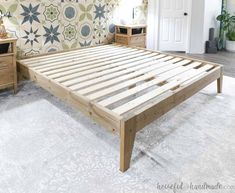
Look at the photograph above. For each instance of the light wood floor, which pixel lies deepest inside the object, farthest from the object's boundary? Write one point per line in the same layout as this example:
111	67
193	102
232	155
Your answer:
225	58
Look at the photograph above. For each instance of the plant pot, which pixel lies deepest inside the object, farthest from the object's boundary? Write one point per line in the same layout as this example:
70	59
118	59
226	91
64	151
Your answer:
4	48
230	46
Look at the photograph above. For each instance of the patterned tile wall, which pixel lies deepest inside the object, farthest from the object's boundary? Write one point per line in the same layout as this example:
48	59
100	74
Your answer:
53	25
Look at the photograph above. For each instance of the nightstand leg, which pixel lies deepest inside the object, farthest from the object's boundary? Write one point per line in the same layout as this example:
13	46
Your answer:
15	88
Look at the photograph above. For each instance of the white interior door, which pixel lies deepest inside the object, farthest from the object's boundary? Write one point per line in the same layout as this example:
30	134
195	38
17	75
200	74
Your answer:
173	26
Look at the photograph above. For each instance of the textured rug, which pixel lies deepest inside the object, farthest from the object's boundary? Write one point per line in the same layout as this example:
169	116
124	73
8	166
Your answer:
48	147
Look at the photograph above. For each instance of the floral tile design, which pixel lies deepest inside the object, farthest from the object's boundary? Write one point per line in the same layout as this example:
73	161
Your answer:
51	13
69	12
70	32
51	34
54	25
99	11
85	44
86	12
30	13
31	36
86	30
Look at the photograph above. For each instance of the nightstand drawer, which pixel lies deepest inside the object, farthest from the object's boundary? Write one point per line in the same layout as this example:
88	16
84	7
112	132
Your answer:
6	76
6	62
121	40
137	40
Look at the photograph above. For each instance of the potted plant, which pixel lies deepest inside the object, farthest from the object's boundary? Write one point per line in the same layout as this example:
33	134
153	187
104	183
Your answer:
228	29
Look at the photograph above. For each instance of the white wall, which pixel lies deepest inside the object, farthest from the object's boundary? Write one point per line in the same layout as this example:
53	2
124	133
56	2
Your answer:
231	6
212	10
152	23
204	14
197	27
203	17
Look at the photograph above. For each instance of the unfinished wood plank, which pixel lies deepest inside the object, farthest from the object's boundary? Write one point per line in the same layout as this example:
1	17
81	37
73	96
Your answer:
192	73
128	83
108	67
107	64
164	77
198	72
127	138
145	98
152	94
60	60
220	82
152	70
93	83
175	55
93	79
33	62
71	60
48	55
84	63
151	111
105	117
91	65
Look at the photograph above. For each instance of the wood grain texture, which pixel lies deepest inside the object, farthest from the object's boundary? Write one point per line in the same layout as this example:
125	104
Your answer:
8	73
129	38
123	90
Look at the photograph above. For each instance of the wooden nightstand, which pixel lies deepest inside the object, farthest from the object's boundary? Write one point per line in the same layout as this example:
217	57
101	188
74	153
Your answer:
8	76
132	35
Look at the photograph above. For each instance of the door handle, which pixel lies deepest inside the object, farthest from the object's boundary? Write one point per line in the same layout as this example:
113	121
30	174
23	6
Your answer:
185	14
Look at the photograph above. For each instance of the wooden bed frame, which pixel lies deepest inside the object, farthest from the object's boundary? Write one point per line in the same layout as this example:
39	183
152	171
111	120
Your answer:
122	88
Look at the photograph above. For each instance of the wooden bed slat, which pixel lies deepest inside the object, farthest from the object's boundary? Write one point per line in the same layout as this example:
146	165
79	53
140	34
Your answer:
152	94
103	70
127	84
199	72
93	83
74	54
60	73
151	69
108	67
90	49
92	65
164	77
93	79
72	61
73	57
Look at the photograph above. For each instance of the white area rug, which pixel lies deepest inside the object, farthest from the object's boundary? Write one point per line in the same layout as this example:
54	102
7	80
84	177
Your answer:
48	147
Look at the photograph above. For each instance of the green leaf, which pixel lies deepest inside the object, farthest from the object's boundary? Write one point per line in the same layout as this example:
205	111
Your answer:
89	16
219	17
231	36
89	7
82	7
65	46
13	20
2	8
13	8
82	17
74	45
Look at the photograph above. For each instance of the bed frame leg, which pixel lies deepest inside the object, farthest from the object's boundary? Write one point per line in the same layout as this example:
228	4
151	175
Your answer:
220	82
127	139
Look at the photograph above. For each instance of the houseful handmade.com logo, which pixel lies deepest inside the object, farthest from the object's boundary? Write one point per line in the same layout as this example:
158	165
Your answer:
195	187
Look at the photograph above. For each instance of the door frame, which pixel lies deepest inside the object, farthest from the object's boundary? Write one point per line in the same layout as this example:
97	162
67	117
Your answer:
154	25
